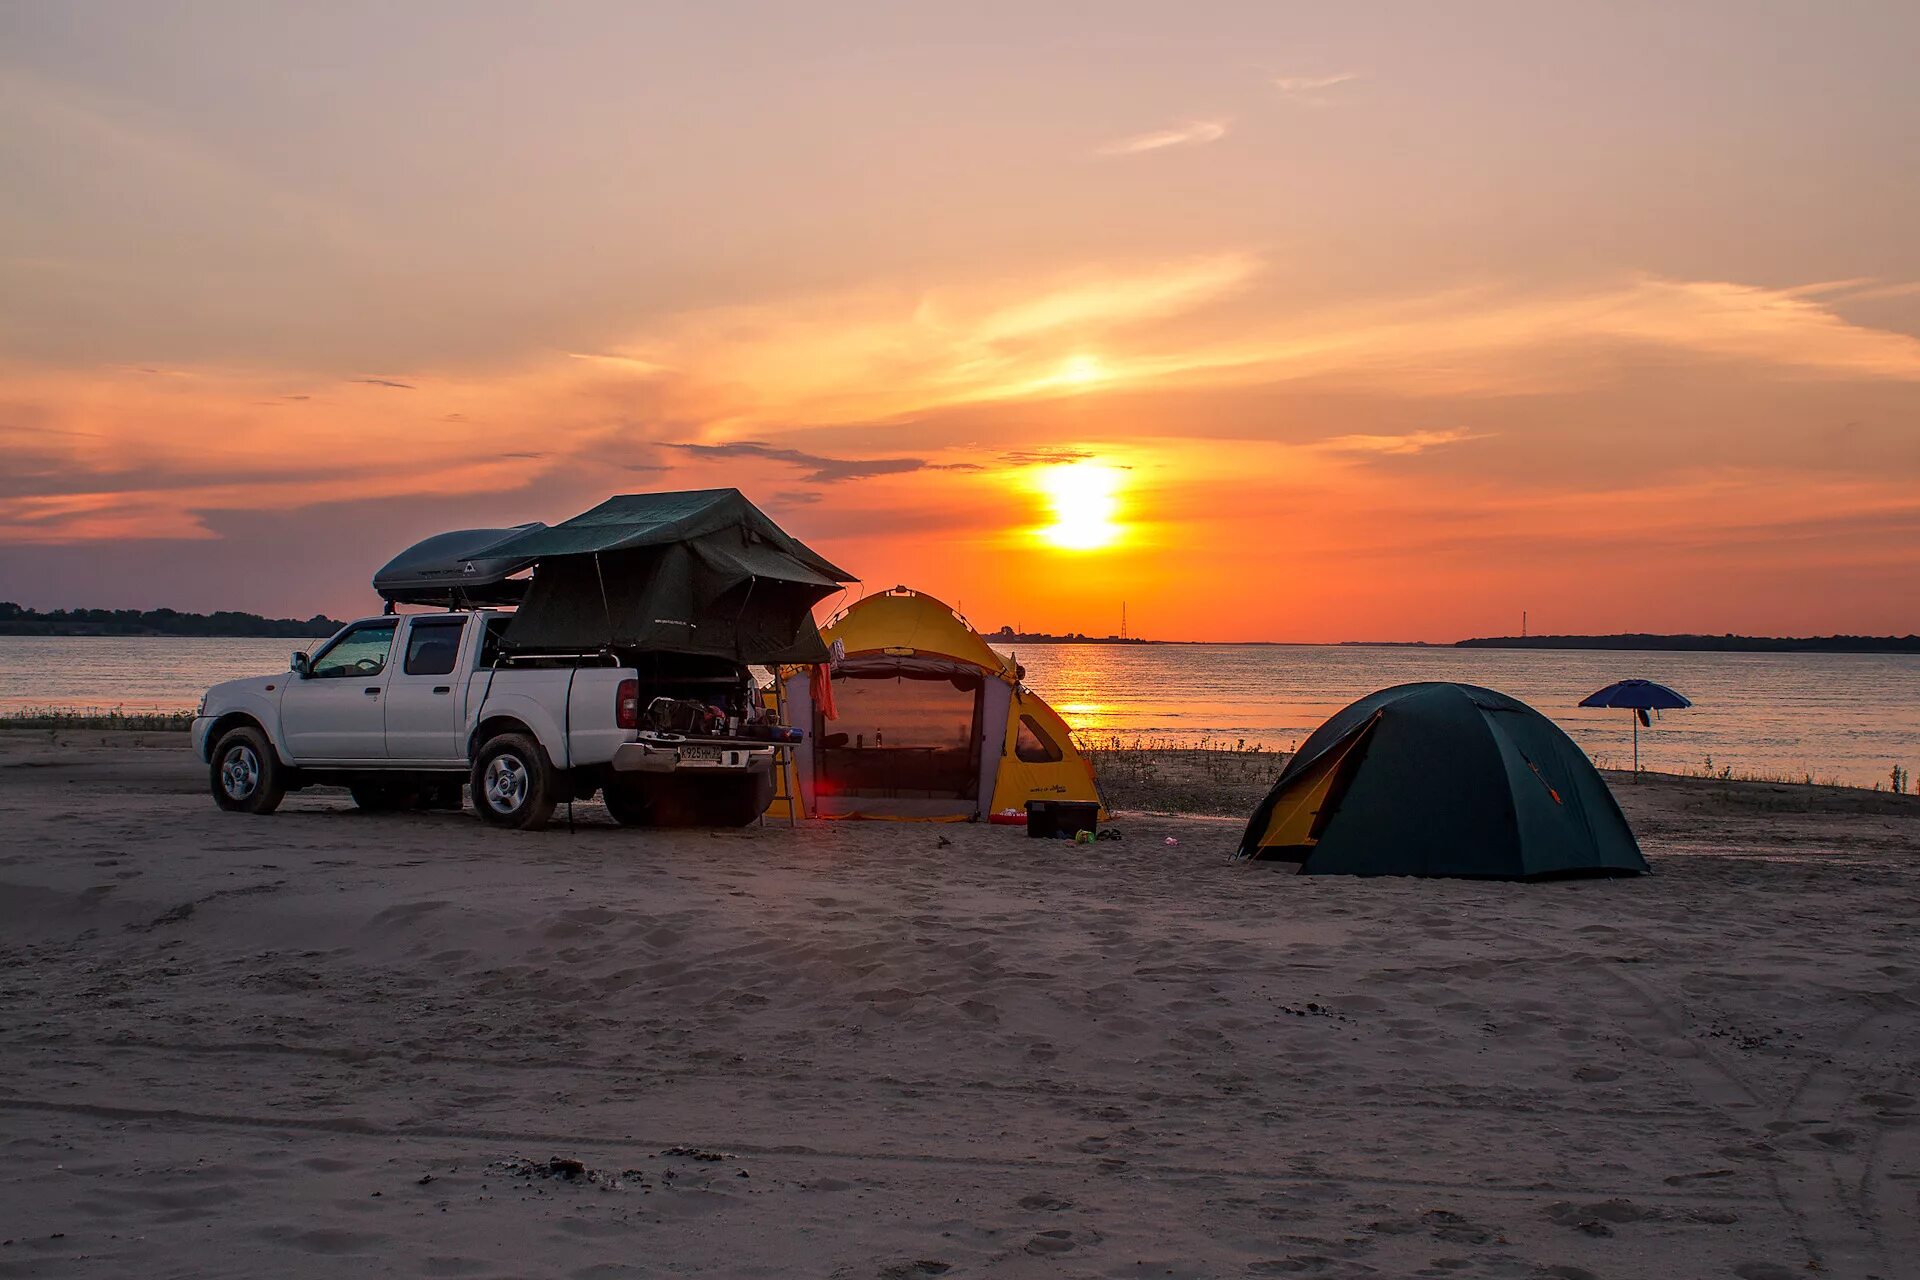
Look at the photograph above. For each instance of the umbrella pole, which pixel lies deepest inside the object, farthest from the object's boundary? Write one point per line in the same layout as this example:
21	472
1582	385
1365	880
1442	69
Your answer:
1636	746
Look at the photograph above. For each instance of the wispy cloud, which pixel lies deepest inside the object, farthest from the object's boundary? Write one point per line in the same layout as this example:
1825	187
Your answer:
878	354
1411	442
633	364
1197	133
1044	457
1876	291
1311	90
823	470
384	382
898	383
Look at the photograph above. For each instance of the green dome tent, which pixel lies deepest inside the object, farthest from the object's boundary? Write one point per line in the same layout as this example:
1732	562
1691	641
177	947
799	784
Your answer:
1442	780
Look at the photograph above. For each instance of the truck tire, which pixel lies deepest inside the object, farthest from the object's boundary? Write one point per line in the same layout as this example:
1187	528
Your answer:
513	783
628	803
729	800
246	776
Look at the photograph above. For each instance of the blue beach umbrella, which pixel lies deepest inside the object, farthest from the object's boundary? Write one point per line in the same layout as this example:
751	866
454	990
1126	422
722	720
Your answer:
1639	697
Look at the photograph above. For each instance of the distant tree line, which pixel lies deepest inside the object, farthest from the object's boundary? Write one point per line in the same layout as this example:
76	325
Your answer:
15	620
1008	634
1728	643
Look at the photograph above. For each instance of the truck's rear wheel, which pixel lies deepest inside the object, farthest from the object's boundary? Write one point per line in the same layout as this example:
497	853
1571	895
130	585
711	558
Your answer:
513	783
628	803
723	800
246	776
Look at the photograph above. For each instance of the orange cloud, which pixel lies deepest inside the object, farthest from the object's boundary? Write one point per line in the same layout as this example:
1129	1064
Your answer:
1412	442
1195	134
1307	90
124	453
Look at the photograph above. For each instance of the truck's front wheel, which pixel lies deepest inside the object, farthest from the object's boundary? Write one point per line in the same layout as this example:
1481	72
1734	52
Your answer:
513	783
247	777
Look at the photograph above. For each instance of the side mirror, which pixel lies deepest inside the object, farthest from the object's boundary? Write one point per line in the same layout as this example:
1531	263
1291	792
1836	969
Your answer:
299	665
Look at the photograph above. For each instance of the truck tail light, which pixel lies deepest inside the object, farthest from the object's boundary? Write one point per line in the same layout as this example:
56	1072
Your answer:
626	705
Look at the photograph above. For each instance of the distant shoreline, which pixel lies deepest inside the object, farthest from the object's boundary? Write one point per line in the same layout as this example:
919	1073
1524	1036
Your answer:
223	625
1624	642
1001	637
228	624
1704	644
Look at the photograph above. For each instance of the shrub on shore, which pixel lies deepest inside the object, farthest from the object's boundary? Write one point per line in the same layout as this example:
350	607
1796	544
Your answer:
58	718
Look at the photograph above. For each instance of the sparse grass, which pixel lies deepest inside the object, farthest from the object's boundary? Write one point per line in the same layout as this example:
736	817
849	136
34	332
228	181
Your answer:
1727	773
55	719
1213	776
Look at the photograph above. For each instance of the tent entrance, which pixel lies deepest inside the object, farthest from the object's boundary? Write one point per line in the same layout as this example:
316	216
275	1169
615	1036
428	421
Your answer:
906	741
1301	812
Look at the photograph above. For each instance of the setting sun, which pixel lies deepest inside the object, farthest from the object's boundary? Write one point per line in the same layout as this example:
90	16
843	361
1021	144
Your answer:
1084	500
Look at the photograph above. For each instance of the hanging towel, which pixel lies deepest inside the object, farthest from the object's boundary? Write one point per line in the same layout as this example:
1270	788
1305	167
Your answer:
820	685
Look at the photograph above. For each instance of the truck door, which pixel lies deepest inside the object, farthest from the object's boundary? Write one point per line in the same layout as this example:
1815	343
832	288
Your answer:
336	712
425	716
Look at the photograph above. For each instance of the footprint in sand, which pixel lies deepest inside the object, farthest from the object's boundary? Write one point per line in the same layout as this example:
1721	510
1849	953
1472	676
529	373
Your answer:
1041	1200
1766	1271
1048	1243
1599	1219
330	1241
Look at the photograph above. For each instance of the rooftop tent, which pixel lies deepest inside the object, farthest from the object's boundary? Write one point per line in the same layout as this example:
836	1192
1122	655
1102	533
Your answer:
1442	780
701	572
932	724
462	569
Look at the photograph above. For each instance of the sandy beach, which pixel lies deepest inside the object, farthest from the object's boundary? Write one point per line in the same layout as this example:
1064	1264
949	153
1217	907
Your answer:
326	1043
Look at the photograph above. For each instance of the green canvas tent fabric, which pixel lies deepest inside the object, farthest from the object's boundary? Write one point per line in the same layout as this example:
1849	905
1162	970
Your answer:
702	572
1439	779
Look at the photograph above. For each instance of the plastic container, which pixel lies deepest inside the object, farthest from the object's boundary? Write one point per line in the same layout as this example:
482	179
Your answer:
1061	819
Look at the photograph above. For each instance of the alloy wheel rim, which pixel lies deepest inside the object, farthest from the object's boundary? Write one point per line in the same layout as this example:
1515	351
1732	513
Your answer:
506	783
239	773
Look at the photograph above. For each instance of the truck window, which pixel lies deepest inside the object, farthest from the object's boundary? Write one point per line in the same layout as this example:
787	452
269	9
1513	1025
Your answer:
490	639
433	646
361	651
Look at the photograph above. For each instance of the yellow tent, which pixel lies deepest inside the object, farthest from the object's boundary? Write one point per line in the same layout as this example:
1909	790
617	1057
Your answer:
931	724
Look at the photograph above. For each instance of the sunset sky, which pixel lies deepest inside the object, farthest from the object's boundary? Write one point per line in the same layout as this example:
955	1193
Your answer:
1275	321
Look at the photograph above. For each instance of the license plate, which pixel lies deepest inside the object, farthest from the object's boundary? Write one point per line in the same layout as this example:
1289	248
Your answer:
700	753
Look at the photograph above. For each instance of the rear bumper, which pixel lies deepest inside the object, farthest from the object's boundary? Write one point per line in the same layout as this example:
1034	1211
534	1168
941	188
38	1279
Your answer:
666	757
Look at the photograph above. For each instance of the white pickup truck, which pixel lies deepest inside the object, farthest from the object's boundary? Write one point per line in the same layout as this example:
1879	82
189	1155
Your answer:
404	709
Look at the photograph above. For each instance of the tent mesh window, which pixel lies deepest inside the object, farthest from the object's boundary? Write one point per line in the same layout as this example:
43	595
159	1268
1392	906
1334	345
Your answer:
1035	745
902	735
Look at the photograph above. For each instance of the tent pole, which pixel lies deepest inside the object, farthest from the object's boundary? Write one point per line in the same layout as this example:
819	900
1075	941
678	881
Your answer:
606	610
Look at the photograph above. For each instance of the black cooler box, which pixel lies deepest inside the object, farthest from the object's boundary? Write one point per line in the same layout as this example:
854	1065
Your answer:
1061	819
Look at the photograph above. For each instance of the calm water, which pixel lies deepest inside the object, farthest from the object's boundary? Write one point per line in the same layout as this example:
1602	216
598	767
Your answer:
1844	717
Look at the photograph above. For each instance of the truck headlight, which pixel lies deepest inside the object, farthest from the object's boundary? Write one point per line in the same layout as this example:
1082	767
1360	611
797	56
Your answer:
201	710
